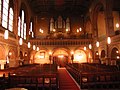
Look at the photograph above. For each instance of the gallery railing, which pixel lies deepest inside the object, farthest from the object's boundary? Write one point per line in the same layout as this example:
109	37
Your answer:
61	42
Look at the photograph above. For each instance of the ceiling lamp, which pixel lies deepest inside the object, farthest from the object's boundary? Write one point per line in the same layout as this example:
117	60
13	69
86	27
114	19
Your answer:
90	46
97	44
34	47
108	40
85	48
28	44
37	48
20	41
6	34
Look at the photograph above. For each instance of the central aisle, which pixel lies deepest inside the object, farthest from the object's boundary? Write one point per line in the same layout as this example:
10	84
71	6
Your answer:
65	80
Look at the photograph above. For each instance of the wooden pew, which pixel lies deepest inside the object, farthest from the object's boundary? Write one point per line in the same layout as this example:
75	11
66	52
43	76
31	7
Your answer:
95	80
43	81
100	80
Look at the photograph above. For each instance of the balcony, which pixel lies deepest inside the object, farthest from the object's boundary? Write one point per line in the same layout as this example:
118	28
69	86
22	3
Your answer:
61	42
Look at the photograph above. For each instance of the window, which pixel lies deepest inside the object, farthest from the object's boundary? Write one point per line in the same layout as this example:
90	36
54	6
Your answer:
22	26
24	30
19	26
31	29
10	20
5	13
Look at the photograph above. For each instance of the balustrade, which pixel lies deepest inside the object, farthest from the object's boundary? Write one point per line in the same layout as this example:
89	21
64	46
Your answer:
61	42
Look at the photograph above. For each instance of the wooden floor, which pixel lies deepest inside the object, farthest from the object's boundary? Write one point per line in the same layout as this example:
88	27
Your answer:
66	82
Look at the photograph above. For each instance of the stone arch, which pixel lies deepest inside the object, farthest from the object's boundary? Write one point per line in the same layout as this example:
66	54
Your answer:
61	55
85	55
40	57
12	57
2	53
115	54
98	6
26	15
88	26
103	54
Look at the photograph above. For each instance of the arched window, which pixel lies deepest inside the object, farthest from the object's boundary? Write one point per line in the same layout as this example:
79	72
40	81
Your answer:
19	21
22	25
10	20
24	31
5	13
31	29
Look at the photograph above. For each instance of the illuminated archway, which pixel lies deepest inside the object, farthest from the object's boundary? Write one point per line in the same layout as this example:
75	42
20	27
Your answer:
61	56
11	58
80	56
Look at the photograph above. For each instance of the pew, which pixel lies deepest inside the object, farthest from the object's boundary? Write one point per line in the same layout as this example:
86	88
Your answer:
43	81
96	79
100	80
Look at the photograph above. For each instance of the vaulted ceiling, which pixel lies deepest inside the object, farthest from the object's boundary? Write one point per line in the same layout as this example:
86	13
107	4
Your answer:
63	7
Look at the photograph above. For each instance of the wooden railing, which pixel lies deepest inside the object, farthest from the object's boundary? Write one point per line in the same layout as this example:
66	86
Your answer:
61	42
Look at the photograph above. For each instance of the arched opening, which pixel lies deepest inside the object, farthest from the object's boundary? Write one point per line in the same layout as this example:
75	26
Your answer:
88	29
21	59
11	58
103	54
115	54
60	57
80	56
2	57
41	57
101	22
97	60
103	57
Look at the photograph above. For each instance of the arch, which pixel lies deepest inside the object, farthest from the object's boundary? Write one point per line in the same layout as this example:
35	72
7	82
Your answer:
80	56
40	57
88	26
98	7
21	55
2	53
61	56
115	54
11	58
88	55
103	54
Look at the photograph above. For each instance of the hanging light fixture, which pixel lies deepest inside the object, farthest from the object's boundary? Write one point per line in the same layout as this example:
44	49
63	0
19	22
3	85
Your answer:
85	48
28	44
108	40
37	48
20	41
90	46
97	44
6	34
34	47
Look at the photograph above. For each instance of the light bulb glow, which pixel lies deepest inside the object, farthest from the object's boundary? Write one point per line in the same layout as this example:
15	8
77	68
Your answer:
6	34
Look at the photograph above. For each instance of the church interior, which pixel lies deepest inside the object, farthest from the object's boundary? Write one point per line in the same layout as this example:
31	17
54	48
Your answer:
59	45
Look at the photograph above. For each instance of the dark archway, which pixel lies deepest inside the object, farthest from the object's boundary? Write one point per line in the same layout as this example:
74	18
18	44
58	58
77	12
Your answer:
115	54
103	54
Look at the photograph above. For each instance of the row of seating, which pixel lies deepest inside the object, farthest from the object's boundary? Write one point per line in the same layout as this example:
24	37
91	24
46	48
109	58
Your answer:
98	79
43	81
31	77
